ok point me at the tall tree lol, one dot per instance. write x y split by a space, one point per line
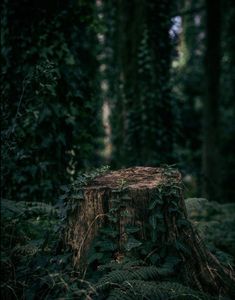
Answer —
141 102
227 107
211 140
188 86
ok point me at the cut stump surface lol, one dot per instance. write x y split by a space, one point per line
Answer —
134 179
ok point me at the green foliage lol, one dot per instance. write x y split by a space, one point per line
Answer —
50 110
153 248
136 280
51 129
189 86
187 74
83 179
27 246
118 276
206 217
71 194
36 265
138 78
138 289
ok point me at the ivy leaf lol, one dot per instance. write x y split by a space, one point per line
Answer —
112 210
154 203
153 219
172 260
112 219
132 229
157 200
183 222
173 209
108 246
132 243
109 232
182 247
94 256
174 203
125 213
64 188
154 258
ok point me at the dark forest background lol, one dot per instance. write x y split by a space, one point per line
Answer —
120 83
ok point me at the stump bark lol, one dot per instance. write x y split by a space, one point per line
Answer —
151 200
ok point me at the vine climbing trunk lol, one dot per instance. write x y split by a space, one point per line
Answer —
143 208
138 75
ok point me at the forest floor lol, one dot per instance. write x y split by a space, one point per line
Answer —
32 269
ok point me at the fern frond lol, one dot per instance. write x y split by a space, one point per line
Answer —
25 250
122 294
150 290
11 208
145 273
119 276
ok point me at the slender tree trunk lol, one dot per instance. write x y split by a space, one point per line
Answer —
211 159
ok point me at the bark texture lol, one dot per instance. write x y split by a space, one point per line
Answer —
143 192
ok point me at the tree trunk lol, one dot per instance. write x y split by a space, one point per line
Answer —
149 199
142 111
211 159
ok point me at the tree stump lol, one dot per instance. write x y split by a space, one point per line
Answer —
144 206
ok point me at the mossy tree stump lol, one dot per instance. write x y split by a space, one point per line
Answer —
144 205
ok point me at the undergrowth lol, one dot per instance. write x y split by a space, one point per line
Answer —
35 265
216 224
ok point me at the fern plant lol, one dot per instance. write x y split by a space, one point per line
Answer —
139 290
134 279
